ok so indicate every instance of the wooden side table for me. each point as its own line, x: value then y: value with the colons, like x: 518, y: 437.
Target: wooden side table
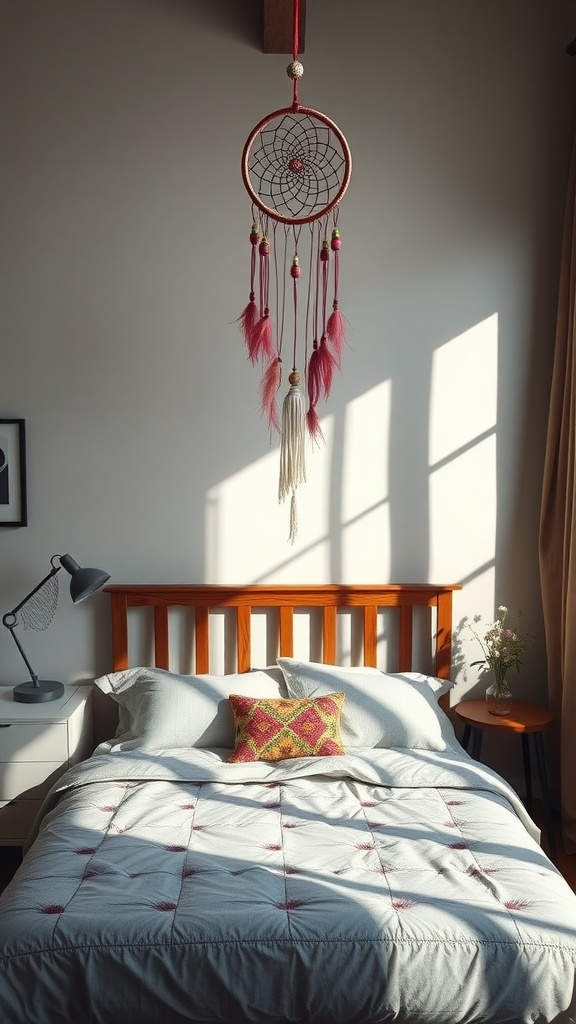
x: 525, y: 720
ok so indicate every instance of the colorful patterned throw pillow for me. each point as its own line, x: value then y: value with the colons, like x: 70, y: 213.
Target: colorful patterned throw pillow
x: 269, y: 729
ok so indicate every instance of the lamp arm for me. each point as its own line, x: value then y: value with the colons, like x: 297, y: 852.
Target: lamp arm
x: 9, y: 619
x: 10, y: 628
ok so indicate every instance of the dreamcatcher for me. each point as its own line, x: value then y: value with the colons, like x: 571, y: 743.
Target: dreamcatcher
x: 296, y: 167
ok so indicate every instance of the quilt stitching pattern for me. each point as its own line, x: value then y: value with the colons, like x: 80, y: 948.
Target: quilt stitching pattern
x: 374, y: 843
x: 57, y: 909
x: 270, y: 865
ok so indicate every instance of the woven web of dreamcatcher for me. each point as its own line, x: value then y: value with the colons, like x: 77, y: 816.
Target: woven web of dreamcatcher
x: 297, y: 166
x: 40, y: 609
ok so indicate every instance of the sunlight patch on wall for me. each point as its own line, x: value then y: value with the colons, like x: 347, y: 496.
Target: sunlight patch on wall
x: 365, y: 486
x: 462, y: 453
x: 247, y: 528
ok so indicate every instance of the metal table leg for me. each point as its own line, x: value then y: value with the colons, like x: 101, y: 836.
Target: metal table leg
x: 476, y: 743
x: 527, y: 770
x: 466, y: 736
x: 541, y: 762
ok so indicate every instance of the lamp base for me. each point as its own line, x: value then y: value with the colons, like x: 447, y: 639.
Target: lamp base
x: 47, y: 689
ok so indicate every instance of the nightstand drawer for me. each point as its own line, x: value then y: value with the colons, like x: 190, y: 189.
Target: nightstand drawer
x: 29, y: 779
x: 38, y: 742
x: 33, y: 741
x: 16, y: 820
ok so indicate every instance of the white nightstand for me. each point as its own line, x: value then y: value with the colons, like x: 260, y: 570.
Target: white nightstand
x: 38, y: 742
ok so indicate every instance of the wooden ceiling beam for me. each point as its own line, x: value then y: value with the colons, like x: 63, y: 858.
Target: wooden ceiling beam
x: 278, y: 26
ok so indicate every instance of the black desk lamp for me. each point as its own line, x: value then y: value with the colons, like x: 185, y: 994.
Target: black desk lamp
x: 37, y: 611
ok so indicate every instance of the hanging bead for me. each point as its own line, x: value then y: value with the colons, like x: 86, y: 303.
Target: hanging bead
x: 295, y: 69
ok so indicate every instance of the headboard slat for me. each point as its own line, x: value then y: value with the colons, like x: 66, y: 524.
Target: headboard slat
x: 161, y: 651
x: 444, y: 636
x: 286, y: 631
x: 244, y: 637
x: 370, y: 638
x: 202, y: 639
x: 329, y: 635
x: 119, y: 630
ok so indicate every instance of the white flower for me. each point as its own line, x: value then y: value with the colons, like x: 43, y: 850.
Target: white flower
x: 502, y: 646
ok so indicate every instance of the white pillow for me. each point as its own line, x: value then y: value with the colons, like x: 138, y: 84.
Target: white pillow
x: 437, y: 685
x: 159, y: 710
x: 381, y: 709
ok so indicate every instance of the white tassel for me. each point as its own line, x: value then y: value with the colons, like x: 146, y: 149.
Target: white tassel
x: 293, y: 518
x: 292, y: 457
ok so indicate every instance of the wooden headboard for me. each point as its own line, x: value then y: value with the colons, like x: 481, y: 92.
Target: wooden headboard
x: 401, y: 599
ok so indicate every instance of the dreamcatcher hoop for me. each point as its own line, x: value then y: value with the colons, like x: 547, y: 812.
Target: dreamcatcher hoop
x: 296, y: 166
x: 292, y: 166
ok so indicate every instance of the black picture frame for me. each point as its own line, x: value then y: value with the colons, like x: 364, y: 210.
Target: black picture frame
x: 13, y: 500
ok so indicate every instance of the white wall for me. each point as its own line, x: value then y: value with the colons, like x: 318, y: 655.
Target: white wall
x: 125, y: 264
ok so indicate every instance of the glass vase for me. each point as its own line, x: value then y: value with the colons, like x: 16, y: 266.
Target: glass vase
x: 499, y: 698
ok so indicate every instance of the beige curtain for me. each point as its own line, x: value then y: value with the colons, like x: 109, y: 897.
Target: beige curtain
x: 558, y: 532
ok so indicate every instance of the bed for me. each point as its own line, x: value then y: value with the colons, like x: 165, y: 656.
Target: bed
x: 293, y: 836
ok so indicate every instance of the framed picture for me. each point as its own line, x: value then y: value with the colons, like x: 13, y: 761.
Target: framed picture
x: 13, y: 511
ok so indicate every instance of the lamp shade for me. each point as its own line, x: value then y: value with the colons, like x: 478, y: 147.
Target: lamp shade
x: 84, y: 581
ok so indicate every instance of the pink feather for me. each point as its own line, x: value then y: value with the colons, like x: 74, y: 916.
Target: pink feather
x: 313, y: 425
x: 248, y: 319
x: 268, y: 389
x: 314, y: 383
x: 327, y: 363
x: 336, y: 332
x: 260, y: 341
